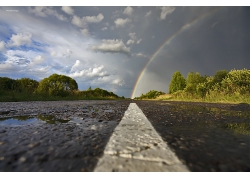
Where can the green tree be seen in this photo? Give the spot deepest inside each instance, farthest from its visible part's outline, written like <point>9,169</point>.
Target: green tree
<point>177,83</point>
<point>89,89</point>
<point>27,85</point>
<point>193,79</point>
<point>219,76</point>
<point>57,85</point>
<point>8,84</point>
<point>237,80</point>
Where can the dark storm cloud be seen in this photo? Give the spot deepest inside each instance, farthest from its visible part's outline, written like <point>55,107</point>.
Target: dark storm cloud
<point>218,41</point>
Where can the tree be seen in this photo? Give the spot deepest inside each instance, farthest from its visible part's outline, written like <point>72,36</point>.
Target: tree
<point>219,76</point>
<point>89,89</point>
<point>57,85</point>
<point>193,79</point>
<point>177,83</point>
<point>8,84</point>
<point>27,85</point>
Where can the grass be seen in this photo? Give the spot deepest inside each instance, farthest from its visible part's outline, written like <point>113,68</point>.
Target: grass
<point>213,98</point>
<point>16,97</point>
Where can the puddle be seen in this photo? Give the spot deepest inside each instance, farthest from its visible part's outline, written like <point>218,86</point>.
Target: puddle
<point>28,120</point>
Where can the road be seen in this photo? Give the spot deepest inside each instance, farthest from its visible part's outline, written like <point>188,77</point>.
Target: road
<point>80,135</point>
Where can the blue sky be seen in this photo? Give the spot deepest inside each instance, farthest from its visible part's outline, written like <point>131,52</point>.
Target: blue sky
<point>108,46</point>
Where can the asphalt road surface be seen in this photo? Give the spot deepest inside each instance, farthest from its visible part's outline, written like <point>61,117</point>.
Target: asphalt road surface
<point>73,136</point>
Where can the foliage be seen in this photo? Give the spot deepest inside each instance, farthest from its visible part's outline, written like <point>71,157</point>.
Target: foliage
<point>27,85</point>
<point>150,95</point>
<point>57,85</point>
<point>53,88</point>
<point>178,82</point>
<point>224,86</point>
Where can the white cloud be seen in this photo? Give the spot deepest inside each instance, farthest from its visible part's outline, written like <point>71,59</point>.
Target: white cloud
<point>82,22</point>
<point>121,22</point>
<point>7,67</point>
<point>165,11</point>
<point>45,11</point>
<point>111,46</point>
<point>20,39</point>
<point>2,45</point>
<point>88,73</point>
<point>38,11</point>
<point>111,80</point>
<point>104,28</point>
<point>85,32</point>
<point>133,39</point>
<point>132,36</point>
<point>94,19</point>
<point>118,81</point>
<point>130,41</point>
<point>140,55</point>
<point>128,10</point>
<point>148,13</point>
<point>38,60</point>
<point>67,9</point>
<point>60,52</point>
<point>78,22</point>
<point>139,41</point>
<point>75,66</point>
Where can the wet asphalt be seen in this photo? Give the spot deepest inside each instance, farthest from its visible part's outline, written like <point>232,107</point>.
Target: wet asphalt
<point>199,133</point>
<point>71,135</point>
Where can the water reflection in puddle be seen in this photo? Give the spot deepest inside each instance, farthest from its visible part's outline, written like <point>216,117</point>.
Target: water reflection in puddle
<point>211,117</point>
<point>25,120</point>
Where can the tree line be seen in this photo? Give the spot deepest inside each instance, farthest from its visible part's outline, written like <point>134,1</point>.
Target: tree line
<point>54,87</point>
<point>223,84</point>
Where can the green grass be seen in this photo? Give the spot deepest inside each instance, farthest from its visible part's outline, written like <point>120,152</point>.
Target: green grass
<point>16,97</point>
<point>212,98</point>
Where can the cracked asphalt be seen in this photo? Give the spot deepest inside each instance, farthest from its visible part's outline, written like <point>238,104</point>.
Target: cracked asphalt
<point>72,135</point>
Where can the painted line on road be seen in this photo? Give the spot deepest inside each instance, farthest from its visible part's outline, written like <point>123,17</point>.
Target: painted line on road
<point>135,146</point>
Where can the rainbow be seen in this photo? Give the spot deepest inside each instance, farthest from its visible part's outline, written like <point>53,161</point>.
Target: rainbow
<point>182,29</point>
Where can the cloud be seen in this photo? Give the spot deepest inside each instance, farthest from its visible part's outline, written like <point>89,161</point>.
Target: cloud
<point>2,45</point>
<point>87,73</point>
<point>78,22</point>
<point>37,60</point>
<point>118,81</point>
<point>85,32</point>
<point>128,10</point>
<point>111,46</point>
<point>45,12</point>
<point>130,41</point>
<point>60,52</point>
<point>132,36</point>
<point>139,41</point>
<point>121,22</point>
<point>133,39</point>
<point>7,67</point>
<point>82,22</point>
<point>75,66</point>
<point>67,9</point>
<point>20,39</point>
<point>94,19</point>
<point>165,11</point>
<point>140,55</point>
<point>148,13</point>
<point>111,80</point>
<point>104,28</point>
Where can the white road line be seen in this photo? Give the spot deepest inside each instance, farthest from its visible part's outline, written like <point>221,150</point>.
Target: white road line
<point>136,146</point>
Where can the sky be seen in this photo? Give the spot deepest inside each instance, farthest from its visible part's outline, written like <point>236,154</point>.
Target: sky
<point>128,50</point>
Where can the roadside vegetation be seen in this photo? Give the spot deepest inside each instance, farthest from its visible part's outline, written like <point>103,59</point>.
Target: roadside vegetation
<point>53,88</point>
<point>223,86</point>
